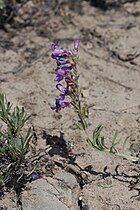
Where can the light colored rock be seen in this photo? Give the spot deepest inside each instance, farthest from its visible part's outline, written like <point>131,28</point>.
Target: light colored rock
<point>43,196</point>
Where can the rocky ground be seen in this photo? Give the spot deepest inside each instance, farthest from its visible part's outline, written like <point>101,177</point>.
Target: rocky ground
<point>74,175</point>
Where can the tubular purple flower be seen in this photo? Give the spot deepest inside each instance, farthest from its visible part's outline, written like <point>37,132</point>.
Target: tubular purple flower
<point>58,78</point>
<point>53,107</point>
<point>62,72</point>
<point>60,52</point>
<point>76,44</point>
<point>62,89</point>
<point>65,104</point>
<point>66,68</point>
<point>57,105</point>
<point>60,104</point>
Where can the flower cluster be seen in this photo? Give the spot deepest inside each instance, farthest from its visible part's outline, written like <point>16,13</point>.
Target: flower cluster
<point>66,64</point>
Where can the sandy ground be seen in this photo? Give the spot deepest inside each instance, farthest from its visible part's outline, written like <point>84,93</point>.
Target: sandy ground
<point>109,66</point>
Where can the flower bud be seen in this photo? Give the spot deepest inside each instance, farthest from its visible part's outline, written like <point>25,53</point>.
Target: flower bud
<point>76,44</point>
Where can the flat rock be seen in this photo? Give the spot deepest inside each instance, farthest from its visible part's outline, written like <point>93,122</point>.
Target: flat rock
<point>43,196</point>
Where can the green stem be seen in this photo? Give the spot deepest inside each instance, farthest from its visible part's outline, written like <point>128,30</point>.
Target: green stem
<point>75,92</point>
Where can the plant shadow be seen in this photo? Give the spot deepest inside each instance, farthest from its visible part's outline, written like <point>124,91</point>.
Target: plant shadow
<point>58,146</point>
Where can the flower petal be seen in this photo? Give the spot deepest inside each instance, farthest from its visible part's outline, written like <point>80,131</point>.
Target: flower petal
<point>58,78</point>
<point>62,89</point>
<point>66,67</point>
<point>54,45</point>
<point>65,104</point>
<point>60,52</point>
<point>61,62</point>
<point>62,72</point>
<point>61,97</point>
<point>57,52</point>
<point>53,107</point>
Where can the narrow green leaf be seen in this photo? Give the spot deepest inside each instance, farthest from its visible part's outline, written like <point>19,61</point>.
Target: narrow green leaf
<point>114,143</point>
<point>124,144</point>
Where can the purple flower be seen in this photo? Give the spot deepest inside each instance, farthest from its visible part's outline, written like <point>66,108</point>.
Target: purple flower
<point>66,68</point>
<point>60,52</point>
<point>34,176</point>
<point>58,78</point>
<point>61,61</point>
<point>62,89</point>
<point>62,72</point>
<point>65,104</point>
<point>57,52</point>
<point>60,55</point>
<point>76,44</point>
<point>59,104</point>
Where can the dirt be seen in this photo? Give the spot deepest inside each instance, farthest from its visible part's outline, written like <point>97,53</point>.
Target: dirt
<point>109,66</point>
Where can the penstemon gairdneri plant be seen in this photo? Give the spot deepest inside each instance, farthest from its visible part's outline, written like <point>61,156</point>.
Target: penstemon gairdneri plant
<point>66,72</point>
